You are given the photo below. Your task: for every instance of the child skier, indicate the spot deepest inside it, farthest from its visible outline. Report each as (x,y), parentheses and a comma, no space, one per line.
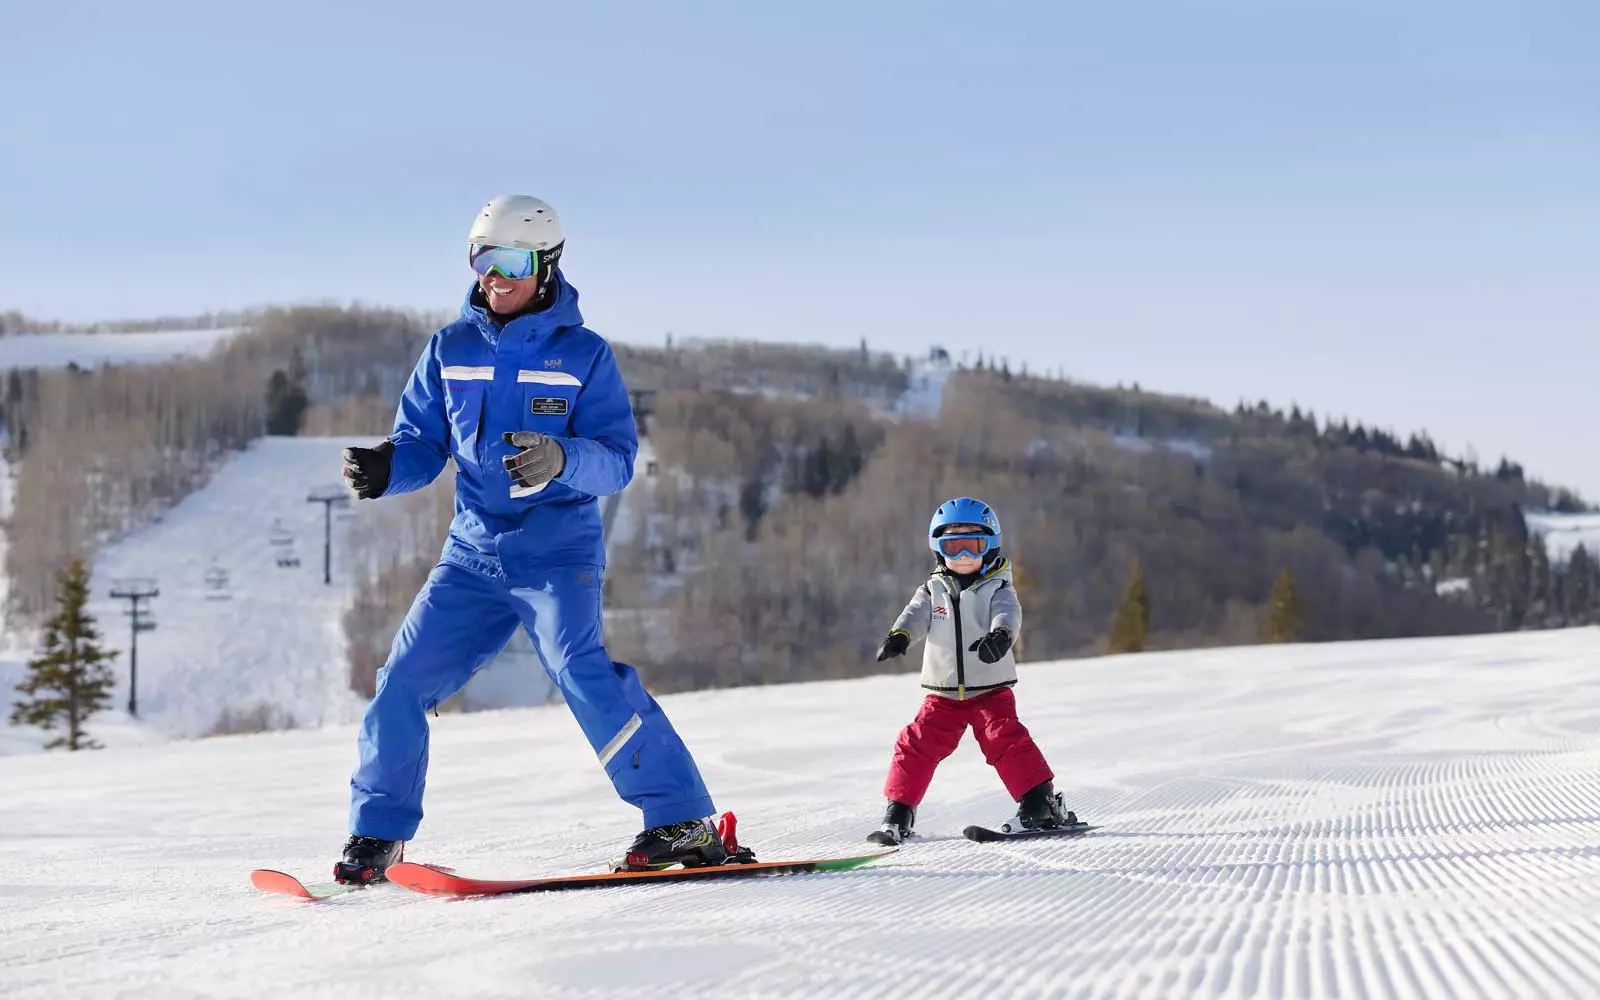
(967,607)
(532,408)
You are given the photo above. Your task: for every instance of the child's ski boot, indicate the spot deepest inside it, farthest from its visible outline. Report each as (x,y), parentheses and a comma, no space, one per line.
(1043,808)
(897,823)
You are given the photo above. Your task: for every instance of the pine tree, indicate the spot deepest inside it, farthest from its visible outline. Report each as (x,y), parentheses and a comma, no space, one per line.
(1023,583)
(1284,613)
(286,404)
(1130,629)
(70,681)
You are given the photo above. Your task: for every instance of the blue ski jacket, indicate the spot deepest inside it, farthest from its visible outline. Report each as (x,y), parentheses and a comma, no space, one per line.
(542,372)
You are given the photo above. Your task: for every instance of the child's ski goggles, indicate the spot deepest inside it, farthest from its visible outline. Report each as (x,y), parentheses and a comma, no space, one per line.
(509,262)
(953,546)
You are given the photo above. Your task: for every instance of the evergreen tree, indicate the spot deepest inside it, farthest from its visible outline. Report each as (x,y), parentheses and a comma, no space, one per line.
(1130,629)
(1023,583)
(1284,612)
(1541,605)
(752,506)
(286,404)
(70,681)
(1581,587)
(817,469)
(849,459)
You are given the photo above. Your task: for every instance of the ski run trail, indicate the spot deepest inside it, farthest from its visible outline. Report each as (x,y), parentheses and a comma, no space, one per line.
(1410,819)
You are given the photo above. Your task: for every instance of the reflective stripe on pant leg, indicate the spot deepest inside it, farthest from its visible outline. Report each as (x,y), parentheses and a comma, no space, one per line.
(458,621)
(647,762)
(623,735)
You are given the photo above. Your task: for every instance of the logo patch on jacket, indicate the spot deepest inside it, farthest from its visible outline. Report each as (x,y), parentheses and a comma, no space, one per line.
(940,612)
(552,363)
(550,406)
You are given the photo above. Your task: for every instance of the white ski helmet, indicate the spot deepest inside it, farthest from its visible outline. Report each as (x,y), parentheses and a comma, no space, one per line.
(526,223)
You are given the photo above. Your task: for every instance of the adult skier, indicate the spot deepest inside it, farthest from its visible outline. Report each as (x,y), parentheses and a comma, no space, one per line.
(532,408)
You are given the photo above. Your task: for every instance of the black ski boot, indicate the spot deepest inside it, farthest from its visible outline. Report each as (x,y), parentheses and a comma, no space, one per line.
(1042,808)
(898,820)
(366,858)
(693,843)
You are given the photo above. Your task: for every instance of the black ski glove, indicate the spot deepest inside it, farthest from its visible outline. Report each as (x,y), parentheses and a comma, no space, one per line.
(893,644)
(992,646)
(538,460)
(366,470)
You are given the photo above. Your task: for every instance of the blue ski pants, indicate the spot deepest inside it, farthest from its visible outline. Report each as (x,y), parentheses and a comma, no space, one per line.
(459,621)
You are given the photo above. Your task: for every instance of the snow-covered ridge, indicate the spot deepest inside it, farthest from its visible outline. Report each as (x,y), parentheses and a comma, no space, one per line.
(1563,533)
(90,350)
(1142,445)
(1411,819)
(925,394)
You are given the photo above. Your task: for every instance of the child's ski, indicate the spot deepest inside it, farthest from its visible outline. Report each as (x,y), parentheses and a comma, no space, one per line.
(1016,831)
(435,882)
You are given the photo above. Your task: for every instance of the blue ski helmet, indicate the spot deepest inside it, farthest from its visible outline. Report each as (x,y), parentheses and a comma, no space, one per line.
(963,510)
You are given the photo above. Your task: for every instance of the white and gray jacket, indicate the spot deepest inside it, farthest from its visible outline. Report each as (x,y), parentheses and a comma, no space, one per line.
(951,619)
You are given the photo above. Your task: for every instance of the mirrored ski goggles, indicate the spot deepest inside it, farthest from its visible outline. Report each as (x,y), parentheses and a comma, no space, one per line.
(951,546)
(508,262)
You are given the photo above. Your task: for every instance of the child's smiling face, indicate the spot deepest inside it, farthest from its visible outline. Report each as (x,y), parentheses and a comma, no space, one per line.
(964,563)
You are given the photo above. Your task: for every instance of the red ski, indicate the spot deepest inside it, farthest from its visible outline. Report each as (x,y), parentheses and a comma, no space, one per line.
(284,884)
(433,882)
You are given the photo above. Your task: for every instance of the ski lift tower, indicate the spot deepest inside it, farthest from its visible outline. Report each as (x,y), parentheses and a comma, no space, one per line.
(644,407)
(330,497)
(133,591)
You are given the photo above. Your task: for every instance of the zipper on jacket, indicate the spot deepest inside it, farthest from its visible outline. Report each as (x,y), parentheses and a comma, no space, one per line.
(961,646)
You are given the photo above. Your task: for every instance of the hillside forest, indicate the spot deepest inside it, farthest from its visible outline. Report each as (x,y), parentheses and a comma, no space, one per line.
(789,499)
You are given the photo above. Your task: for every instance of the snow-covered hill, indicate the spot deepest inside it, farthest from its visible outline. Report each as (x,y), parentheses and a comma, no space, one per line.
(925,395)
(89,350)
(1415,819)
(244,623)
(235,630)
(1563,533)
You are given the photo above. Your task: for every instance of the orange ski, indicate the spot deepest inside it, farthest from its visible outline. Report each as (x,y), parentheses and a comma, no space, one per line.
(433,882)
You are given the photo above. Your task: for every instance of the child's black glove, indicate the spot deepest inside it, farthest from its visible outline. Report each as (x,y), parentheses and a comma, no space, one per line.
(893,644)
(992,646)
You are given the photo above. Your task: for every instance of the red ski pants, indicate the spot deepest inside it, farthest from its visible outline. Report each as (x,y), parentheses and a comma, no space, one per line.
(934,734)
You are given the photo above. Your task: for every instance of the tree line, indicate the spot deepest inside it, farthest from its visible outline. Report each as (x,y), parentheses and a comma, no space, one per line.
(14,322)
(787,523)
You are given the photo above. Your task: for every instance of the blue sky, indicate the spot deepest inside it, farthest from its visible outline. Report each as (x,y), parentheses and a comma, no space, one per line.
(1387,211)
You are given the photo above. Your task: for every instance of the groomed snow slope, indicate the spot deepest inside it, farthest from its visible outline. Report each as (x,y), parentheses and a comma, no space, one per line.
(275,642)
(1397,819)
